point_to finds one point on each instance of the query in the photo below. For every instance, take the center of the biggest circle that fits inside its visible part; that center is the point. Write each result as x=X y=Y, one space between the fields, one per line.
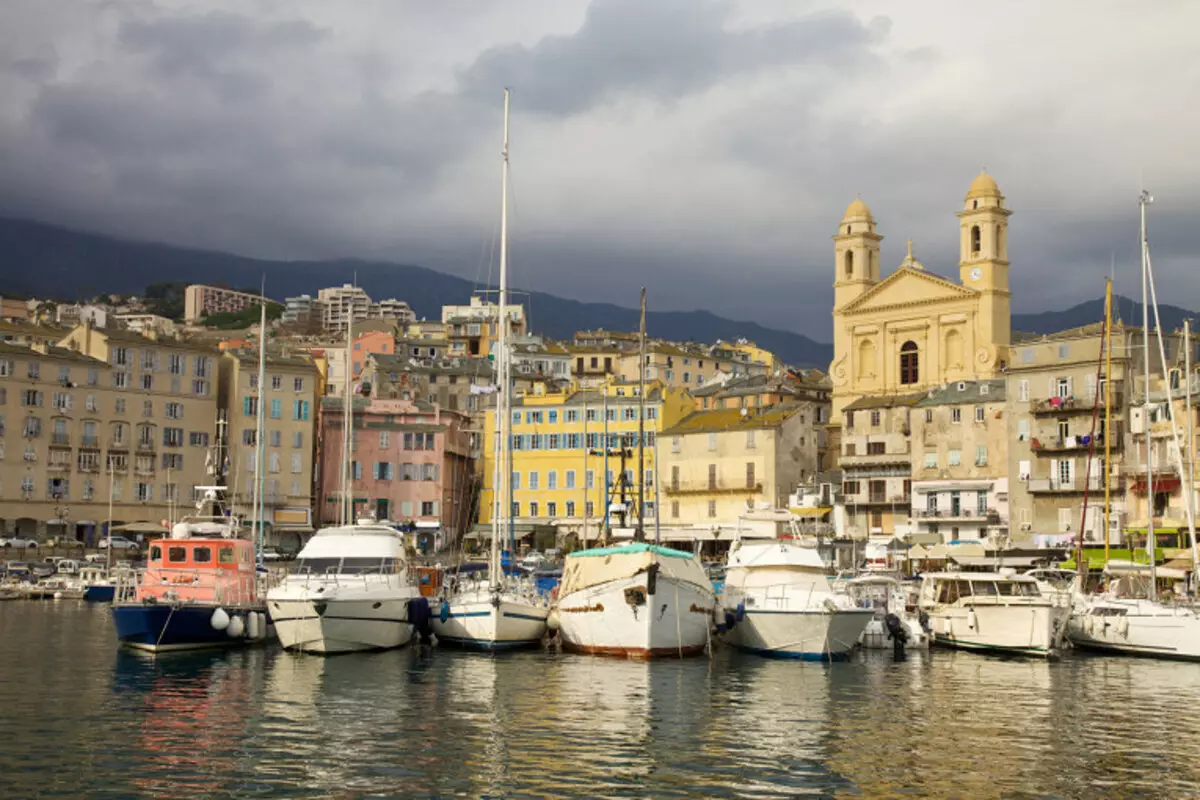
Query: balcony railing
x=878 y=500
x=1079 y=485
x=1072 y=405
x=60 y=439
x=989 y=515
x=58 y=466
x=118 y=444
x=863 y=459
x=145 y=447
x=713 y=487
x=90 y=441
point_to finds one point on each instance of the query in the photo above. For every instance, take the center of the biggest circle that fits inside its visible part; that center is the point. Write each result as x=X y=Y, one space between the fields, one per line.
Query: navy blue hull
x=162 y=627
x=99 y=594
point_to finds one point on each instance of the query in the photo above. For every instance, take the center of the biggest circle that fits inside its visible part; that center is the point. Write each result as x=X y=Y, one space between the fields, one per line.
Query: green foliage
x=236 y=320
x=165 y=299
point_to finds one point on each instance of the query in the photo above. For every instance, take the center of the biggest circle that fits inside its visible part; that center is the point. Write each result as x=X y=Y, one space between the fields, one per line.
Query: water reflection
x=82 y=718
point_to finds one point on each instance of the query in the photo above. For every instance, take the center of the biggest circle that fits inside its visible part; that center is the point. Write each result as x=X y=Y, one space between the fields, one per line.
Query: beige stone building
x=876 y=464
x=104 y=398
x=960 y=462
x=914 y=330
x=1052 y=396
x=290 y=398
x=720 y=466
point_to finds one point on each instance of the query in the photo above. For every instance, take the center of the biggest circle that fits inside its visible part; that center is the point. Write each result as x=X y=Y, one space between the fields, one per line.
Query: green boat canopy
x=637 y=547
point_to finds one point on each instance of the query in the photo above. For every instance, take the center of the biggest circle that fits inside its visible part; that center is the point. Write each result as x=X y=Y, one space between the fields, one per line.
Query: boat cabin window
x=177 y=554
x=1018 y=589
x=950 y=590
x=156 y=553
x=225 y=555
x=244 y=556
x=202 y=555
x=318 y=566
x=368 y=566
x=983 y=588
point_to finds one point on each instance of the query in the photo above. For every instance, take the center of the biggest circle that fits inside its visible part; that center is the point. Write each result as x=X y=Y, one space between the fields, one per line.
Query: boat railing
x=398 y=578
x=168 y=585
x=778 y=596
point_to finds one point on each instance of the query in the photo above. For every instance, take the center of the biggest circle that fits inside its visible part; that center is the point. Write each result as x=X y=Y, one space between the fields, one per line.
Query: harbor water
x=80 y=718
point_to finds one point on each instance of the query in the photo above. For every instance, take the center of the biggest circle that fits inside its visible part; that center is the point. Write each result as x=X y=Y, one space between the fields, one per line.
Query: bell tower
x=856 y=254
x=983 y=255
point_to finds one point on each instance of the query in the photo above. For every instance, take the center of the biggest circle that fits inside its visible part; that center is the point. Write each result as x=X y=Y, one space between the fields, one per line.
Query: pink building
x=411 y=465
x=371 y=343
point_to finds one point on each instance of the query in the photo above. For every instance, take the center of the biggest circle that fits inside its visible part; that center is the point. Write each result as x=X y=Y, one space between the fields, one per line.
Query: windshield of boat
x=949 y=591
x=348 y=566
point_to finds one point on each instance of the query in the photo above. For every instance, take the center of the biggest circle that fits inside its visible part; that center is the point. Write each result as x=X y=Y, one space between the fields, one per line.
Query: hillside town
x=934 y=426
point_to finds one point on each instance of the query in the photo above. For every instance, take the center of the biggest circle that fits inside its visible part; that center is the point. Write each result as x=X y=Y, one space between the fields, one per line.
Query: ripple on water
x=83 y=718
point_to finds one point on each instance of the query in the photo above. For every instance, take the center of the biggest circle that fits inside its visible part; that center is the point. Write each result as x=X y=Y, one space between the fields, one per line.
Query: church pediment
x=904 y=287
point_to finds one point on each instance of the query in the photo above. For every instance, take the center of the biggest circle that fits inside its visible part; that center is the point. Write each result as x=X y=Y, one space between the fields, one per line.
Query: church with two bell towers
x=913 y=330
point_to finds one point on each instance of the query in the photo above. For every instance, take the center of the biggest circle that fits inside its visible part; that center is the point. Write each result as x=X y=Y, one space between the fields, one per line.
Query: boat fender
x=830 y=605
x=419 y=614
x=731 y=619
x=252 y=625
x=444 y=612
x=552 y=622
x=971 y=619
x=740 y=612
x=236 y=627
x=651 y=579
x=219 y=620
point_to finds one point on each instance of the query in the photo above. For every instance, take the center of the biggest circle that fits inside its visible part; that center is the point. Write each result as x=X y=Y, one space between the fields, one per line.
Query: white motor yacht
x=350 y=590
x=997 y=612
x=1124 y=620
x=779 y=601
x=884 y=595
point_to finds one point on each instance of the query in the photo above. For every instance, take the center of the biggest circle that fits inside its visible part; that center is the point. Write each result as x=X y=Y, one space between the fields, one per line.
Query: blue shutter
x=246 y=407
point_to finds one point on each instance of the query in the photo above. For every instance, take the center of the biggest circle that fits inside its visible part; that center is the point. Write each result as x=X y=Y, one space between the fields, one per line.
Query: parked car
x=67 y=566
x=119 y=543
x=20 y=542
x=65 y=543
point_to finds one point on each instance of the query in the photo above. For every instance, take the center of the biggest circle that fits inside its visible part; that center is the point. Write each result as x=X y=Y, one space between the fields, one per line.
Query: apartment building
x=689 y=367
x=876 y=464
x=370 y=343
x=68 y=414
x=574 y=453
x=410 y=463
x=1056 y=390
x=721 y=466
x=473 y=329
x=754 y=391
x=960 y=462
x=536 y=358
x=341 y=303
x=289 y=425
x=201 y=301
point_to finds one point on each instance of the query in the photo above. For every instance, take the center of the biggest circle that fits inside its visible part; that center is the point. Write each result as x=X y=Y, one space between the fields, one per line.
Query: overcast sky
x=705 y=149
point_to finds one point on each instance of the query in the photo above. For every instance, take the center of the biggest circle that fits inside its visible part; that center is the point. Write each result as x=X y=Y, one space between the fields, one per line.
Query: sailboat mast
x=259 y=449
x=640 y=535
x=347 y=511
x=1107 y=413
x=1190 y=470
x=1143 y=200
x=503 y=476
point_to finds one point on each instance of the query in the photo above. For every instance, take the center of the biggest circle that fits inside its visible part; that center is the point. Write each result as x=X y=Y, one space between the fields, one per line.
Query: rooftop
x=732 y=419
x=886 y=401
x=960 y=392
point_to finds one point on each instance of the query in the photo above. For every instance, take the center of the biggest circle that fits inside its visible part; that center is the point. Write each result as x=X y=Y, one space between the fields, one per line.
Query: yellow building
x=914 y=330
x=560 y=476
x=720 y=466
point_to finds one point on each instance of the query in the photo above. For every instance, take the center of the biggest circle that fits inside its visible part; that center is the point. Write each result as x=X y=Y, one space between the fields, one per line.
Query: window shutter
x=1052 y=391
x=1070 y=387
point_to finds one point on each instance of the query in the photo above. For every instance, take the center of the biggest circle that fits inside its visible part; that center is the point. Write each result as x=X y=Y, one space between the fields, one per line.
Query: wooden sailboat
x=1146 y=626
x=499 y=611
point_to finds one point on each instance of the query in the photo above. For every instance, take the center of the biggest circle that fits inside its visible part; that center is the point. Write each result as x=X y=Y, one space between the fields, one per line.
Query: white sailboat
x=783 y=606
x=500 y=612
x=1116 y=621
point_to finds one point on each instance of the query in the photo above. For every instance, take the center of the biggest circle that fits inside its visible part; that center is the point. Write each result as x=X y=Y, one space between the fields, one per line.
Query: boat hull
x=674 y=622
x=157 y=627
x=99 y=594
x=807 y=634
x=1138 y=629
x=341 y=625
x=1026 y=630
x=475 y=623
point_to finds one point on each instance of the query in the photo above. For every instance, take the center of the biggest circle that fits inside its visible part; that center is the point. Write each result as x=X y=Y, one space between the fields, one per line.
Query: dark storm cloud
x=706 y=149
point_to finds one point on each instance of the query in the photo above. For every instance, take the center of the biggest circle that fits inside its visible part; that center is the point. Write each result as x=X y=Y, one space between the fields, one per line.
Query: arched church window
x=975 y=237
x=909 y=364
x=849 y=259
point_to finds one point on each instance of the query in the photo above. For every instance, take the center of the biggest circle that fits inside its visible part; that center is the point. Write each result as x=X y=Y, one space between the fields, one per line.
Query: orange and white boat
x=200 y=587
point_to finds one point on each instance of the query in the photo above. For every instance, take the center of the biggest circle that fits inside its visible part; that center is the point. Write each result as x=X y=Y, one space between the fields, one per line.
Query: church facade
x=913 y=330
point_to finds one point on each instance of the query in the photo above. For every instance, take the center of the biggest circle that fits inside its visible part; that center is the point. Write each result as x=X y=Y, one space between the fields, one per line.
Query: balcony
x=90 y=442
x=145 y=447
x=60 y=440
x=1071 y=405
x=118 y=444
x=58 y=466
x=144 y=471
x=990 y=516
x=89 y=466
x=1077 y=486
x=903 y=456
x=712 y=487
x=879 y=500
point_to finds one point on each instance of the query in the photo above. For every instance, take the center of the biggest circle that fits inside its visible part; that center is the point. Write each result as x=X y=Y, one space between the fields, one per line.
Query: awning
x=918 y=552
x=1163 y=483
x=990 y=562
x=810 y=511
